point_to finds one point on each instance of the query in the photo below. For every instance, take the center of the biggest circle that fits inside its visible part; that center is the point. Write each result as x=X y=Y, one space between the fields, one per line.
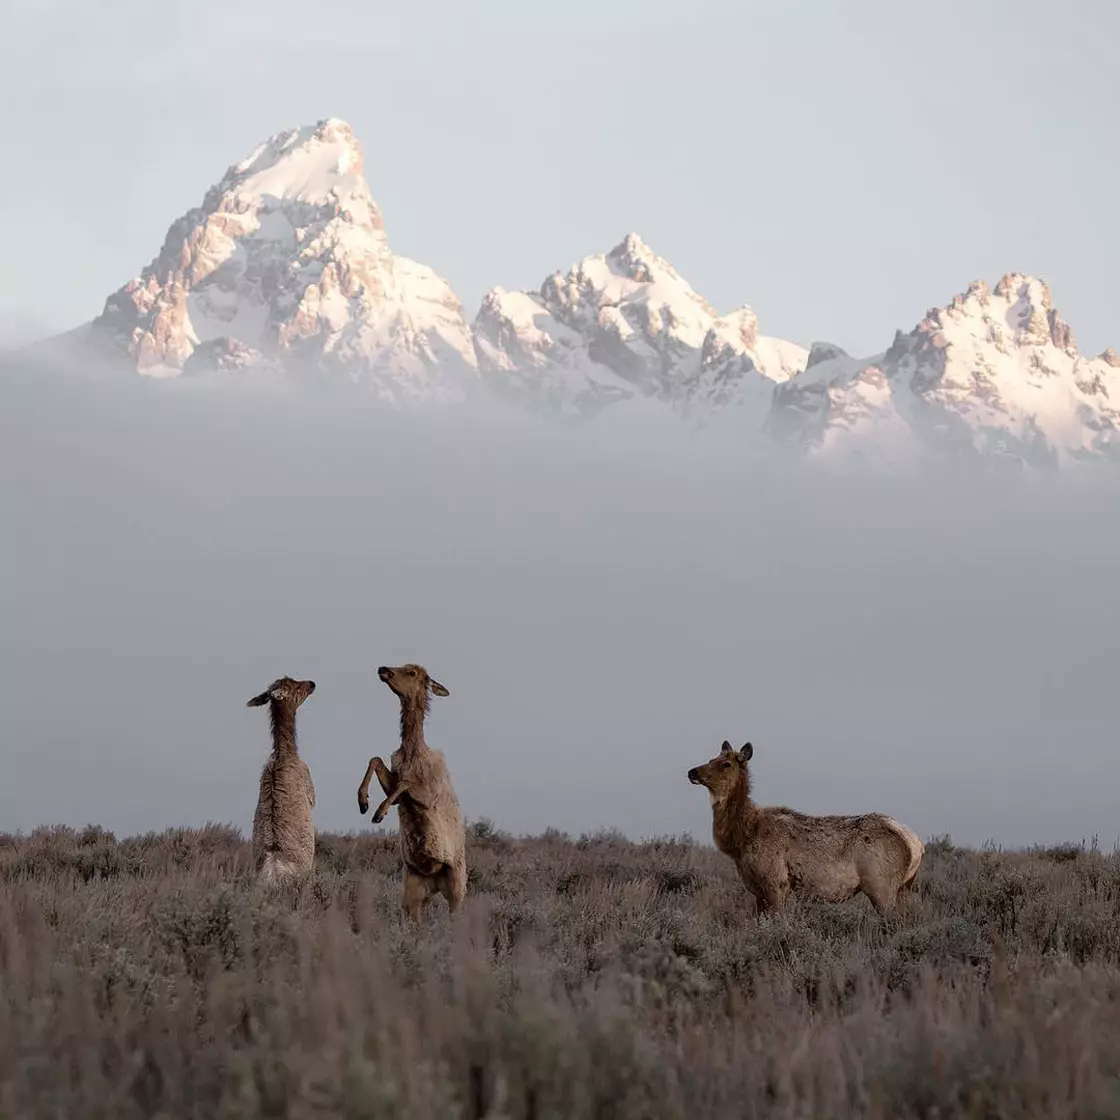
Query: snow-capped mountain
x=286 y=266
x=996 y=372
x=624 y=324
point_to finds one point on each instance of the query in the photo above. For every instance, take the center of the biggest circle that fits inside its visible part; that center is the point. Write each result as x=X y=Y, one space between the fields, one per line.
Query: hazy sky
x=605 y=605
x=840 y=166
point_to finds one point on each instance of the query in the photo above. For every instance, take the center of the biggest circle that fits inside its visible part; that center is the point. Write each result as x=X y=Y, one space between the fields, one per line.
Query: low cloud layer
x=606 y=605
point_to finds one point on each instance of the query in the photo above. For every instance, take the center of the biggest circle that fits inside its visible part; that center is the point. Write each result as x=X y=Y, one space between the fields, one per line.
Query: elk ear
x=747 y=753
x=726 y=748
x=438 y=689
x=257 y=701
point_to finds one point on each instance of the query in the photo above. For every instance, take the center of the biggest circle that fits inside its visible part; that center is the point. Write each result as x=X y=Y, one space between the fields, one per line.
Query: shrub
x=600 y=977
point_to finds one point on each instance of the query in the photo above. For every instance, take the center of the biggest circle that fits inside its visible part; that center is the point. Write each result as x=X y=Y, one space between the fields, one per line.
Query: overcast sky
x=840 y=166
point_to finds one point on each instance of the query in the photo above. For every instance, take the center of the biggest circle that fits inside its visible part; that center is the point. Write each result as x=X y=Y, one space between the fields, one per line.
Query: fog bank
x=605 y=605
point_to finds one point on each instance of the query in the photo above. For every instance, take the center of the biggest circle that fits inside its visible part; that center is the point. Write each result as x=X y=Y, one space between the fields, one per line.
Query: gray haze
x=840 y=166
x=605 y=605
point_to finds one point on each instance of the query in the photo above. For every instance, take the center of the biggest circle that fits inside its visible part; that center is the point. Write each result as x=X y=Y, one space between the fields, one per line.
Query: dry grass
x=590 y=978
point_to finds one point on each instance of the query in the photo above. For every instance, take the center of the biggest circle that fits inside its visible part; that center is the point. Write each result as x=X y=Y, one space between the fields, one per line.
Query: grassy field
x=584 y=978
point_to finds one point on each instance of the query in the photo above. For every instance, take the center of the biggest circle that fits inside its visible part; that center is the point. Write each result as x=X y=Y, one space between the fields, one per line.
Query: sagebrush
x=582 y=978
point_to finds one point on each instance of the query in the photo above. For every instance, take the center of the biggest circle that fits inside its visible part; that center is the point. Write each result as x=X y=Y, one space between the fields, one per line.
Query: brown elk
x=433 y=839
x=779 y=852
x=283 y=835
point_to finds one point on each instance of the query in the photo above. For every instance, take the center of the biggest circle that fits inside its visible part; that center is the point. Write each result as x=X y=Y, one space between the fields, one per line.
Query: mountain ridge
x=285 y=269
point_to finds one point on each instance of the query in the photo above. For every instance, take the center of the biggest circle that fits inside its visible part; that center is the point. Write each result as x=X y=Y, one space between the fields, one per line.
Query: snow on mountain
x=995 y=373
x=285 y=269
x=286 y=266
x=625 y=324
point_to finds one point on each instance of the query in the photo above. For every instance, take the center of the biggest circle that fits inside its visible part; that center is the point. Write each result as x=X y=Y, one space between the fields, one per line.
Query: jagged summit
x=633 y=260
x=622 y=324
x=315 y=164
x=994 y=372
x=285 y=265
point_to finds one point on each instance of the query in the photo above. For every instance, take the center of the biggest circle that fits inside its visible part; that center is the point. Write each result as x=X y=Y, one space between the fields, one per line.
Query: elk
x=433 y=839
x=283 y=835
x=779 y=852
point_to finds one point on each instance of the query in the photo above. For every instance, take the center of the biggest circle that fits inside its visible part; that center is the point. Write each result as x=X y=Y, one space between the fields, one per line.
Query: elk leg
x=389 y=802
x=772 y=895
x=453 y=884
x=417 y=890
x=882 y=896
x=384 y=776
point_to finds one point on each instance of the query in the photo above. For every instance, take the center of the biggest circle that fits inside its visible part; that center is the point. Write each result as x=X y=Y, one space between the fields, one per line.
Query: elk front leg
x=384 y=776
x=389 y=802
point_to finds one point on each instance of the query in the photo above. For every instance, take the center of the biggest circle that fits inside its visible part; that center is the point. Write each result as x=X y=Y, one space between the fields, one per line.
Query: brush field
x=588 y=978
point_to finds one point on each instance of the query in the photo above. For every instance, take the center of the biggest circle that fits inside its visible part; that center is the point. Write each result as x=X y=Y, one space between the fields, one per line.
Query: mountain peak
x=993 y=372
x=632 y=250
x=621 y=324
x=313 y=164
x=633 y=259
x=1021 y=285
x=286 y=263
x=632 y=245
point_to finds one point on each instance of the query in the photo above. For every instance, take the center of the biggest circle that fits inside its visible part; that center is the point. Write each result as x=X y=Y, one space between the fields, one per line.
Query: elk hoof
x=379 y=816
x=363 y=806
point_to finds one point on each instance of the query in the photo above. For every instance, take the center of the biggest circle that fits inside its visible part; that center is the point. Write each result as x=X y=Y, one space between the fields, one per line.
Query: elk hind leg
x=453 y=884
x=905 y=894
x=882 y=894
x=417 y=890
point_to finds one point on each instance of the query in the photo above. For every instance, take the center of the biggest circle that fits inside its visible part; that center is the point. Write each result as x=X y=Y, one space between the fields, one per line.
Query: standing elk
x=779 y=852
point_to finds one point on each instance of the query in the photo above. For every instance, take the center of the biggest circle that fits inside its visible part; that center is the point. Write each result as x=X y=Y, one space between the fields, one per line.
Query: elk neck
x=733 y=816
x=413 y=711
x=283 y=719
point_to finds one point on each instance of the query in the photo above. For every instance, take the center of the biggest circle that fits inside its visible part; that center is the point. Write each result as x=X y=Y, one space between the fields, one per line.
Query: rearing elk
x=779 y=852
x=433 y=839
x=283 y=835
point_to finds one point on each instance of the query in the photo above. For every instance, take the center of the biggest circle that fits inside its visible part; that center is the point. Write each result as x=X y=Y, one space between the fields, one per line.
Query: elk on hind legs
x=283 y=834
x=433 y=837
